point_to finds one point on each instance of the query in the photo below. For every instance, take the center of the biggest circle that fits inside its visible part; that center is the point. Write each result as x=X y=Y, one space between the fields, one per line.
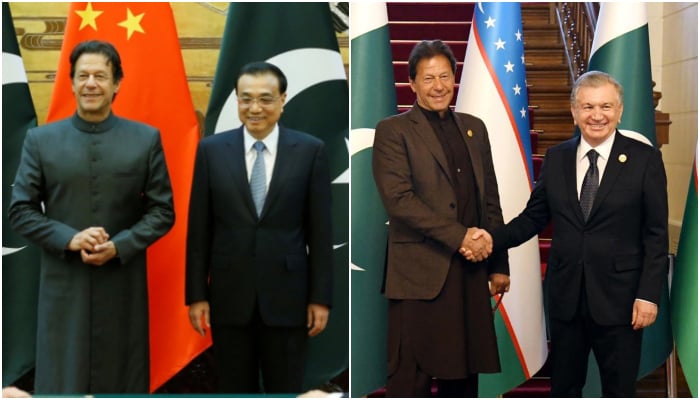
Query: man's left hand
x=643 y=314
x=102 y=254
x=316 y=318
x=500 y=283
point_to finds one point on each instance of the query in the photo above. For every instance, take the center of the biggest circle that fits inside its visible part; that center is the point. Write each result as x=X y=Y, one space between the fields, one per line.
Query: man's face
x=434 y=84
x=597 y=112
x=260 y=103
x=94 y=86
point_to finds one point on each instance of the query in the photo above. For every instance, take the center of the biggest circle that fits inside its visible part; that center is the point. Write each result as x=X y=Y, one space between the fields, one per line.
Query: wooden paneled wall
x=200 y=27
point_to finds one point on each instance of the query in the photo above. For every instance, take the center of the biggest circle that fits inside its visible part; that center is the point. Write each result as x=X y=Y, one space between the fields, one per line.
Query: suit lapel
x=423 y=129
x=475 y=156
x=612 y=171
x=283 y=164
x=569 y=169
x=235 y=162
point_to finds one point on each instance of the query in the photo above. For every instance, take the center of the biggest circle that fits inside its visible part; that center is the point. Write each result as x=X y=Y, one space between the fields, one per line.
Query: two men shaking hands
x=477 y=246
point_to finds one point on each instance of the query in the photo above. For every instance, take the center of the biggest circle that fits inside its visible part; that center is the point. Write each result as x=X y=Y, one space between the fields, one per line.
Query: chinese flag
x=154 y=91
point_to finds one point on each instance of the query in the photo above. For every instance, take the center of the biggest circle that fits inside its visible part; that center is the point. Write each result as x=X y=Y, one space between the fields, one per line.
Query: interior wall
x=679 y=80
x=200 y=27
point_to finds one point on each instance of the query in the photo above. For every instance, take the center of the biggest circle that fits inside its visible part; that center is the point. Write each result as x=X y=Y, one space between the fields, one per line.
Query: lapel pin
x=622 y=158
x=470 y=133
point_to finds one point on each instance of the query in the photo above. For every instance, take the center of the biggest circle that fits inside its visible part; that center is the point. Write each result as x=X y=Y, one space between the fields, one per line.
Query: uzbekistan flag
x=493 y=88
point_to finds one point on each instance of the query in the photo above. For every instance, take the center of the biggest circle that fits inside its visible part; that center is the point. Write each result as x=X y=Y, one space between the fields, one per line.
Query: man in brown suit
x=435 y=175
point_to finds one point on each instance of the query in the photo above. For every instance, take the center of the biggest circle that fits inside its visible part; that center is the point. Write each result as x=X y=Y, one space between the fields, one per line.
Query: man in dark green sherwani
x=93 y=192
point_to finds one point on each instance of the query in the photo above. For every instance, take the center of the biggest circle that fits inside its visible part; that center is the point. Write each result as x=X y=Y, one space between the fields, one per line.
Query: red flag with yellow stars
x=154 y=91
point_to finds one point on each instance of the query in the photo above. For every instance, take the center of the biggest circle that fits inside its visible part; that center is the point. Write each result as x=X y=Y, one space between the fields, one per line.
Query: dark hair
x=596 y=79
x=261 y=68
x=429 y=49
x=98 y=47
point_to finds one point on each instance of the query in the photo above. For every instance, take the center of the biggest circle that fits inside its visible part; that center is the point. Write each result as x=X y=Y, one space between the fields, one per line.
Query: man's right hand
x=199 y=311
x=88 y=238
x=477 y=245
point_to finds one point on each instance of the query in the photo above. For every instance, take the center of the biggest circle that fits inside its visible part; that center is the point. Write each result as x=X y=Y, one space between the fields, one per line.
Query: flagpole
x=671 y=382
x=671 y=376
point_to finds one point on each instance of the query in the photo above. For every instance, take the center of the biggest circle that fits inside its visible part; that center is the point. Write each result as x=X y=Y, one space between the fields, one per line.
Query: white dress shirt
x=582 y=162
x=269 y=153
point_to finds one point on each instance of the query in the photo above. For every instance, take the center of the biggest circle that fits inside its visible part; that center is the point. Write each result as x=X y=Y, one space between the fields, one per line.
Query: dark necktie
x=590 y=184
x=257 y=178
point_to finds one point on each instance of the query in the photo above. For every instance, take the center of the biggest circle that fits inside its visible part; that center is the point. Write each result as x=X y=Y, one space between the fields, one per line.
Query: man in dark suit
x=435 y=175
x=92 y=191
x=605 y=195
x=259 y=244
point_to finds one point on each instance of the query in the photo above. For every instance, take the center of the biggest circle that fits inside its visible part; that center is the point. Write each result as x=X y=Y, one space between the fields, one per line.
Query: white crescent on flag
x=12 y=69
x=329 y=65
x=6 y=251
x=360 y=139
x=12 y=72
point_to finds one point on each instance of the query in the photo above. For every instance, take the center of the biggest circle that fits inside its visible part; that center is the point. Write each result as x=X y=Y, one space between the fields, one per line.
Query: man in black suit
x=259 y=244
x=605 y=195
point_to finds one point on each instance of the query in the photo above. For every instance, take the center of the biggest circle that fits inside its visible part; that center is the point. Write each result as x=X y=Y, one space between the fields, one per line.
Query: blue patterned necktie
x=590 y=184
x=257 y=178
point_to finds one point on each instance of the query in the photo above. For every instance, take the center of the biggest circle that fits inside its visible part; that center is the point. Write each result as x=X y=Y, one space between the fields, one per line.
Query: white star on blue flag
x=492 y=23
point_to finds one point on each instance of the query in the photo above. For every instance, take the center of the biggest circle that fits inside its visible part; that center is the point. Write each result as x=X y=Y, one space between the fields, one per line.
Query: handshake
x=477 y=245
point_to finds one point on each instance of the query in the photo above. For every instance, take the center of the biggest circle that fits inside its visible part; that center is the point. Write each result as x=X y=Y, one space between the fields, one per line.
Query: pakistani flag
x=20 y=261
x=298 y=38
x=494 y=67
x=373 y=98
x=621 y=48
x=684 y=290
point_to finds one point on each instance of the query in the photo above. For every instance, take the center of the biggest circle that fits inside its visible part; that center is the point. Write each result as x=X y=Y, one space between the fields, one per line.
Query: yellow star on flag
x=88 y=16
x=132 y=23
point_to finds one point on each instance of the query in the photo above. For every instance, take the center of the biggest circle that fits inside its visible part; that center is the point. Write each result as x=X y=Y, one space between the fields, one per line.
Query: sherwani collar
x=94 y=127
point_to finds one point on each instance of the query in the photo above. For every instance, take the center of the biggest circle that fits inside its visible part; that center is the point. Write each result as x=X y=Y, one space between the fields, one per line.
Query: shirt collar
x=270 y=140
x=602 y=149
x=434 y=115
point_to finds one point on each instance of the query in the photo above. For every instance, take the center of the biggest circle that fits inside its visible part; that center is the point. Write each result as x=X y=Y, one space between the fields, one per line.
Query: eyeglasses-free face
x=93 y=86
x=434 y=83
x=260 y=104
x=597 y=112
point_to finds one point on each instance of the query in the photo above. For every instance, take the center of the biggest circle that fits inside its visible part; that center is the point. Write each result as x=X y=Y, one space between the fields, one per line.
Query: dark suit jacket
x=235 y=259
x=411 y=172
x=620 y=252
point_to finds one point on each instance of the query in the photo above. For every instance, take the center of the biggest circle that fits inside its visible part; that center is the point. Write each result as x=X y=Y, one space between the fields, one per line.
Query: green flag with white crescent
x=621 y=49
x=20 y=260
x=373 y=98
x=300 y=39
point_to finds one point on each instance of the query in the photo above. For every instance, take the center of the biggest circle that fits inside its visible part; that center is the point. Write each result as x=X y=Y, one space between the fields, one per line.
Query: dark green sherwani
x=93 y=321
